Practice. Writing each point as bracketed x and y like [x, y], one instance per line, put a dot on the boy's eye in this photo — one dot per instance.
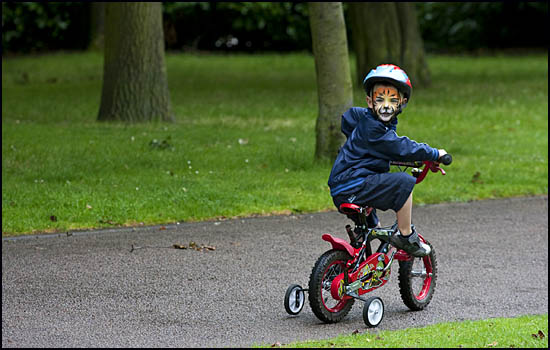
[394, 100]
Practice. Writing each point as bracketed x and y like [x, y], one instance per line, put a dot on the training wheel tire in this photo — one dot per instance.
[294, 299]
[373, 312]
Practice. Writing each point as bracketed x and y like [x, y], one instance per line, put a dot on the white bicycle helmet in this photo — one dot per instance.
[389, 73]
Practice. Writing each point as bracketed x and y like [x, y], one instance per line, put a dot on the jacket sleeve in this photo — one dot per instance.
[350, 119]
[382, 142]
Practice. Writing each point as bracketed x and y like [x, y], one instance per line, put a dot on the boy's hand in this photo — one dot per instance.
[442, 152]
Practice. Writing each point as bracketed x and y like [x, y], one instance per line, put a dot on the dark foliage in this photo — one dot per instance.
[275, 26]
[44, 26]
[473, 25]
[237, 26]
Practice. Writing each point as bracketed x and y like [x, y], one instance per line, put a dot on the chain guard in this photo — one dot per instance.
[369, 276]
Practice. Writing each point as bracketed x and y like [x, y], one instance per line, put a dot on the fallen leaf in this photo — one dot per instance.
[108, 221]
[355, 332]
[88, 206]
[179, 246]
[53, 218]
[162, 228]
[276, 345]
[493, 344]
[210, 247]
[476, 178]
[538, 335]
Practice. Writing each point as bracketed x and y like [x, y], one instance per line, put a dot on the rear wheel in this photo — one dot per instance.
[417, 279]
[329, 265]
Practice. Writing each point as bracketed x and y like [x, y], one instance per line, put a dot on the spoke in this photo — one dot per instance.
[331, 273]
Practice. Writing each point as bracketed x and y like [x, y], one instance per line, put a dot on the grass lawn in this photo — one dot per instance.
[244, 139]
[520, 332]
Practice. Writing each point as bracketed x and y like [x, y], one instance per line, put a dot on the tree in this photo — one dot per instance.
[97, 25]
[334, 88]
[135, 87]
[388, 32]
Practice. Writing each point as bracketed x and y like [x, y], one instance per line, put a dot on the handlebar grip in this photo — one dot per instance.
[446, 159]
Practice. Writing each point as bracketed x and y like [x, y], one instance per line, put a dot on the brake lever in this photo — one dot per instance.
[435, 168]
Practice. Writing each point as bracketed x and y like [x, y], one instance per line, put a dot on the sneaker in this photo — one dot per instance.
[411, 243]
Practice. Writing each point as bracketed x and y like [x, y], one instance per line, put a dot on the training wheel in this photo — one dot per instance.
[373, 312]
[294, 299]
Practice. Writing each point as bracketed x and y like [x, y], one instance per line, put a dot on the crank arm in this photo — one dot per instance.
[356, 296]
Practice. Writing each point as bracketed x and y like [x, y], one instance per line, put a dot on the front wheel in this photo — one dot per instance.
[329, 265]
[417, 279]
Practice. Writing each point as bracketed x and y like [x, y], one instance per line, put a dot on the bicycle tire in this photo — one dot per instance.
[319, 287]
[414, 299]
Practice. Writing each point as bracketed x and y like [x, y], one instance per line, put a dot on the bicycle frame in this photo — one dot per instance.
[367, 270]
[351, 269]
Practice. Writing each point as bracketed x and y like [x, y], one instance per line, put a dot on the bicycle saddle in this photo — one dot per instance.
[351, 209]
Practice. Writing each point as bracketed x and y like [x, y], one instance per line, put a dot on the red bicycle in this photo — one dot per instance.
[351, 269]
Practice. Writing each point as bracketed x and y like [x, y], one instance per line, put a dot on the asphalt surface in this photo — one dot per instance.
[90, 290]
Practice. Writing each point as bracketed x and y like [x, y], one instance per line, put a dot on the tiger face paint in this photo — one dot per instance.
[386, 102]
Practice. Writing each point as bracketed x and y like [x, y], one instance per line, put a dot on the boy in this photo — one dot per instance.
[360, 173]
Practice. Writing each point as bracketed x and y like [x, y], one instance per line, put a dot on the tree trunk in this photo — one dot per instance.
[135, 88]
[376, 35]
[412, 48]
[334, 88]
[97, 25]
[388, 32]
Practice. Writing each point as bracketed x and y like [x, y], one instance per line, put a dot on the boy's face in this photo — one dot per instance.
[385, 101]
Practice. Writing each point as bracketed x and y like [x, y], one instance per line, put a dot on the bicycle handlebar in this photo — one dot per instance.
[428, 165]
[446, 159]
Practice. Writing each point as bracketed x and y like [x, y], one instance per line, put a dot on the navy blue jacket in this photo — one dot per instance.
[369, 147]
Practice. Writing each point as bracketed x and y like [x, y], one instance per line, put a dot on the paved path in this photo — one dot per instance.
[90, 290]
